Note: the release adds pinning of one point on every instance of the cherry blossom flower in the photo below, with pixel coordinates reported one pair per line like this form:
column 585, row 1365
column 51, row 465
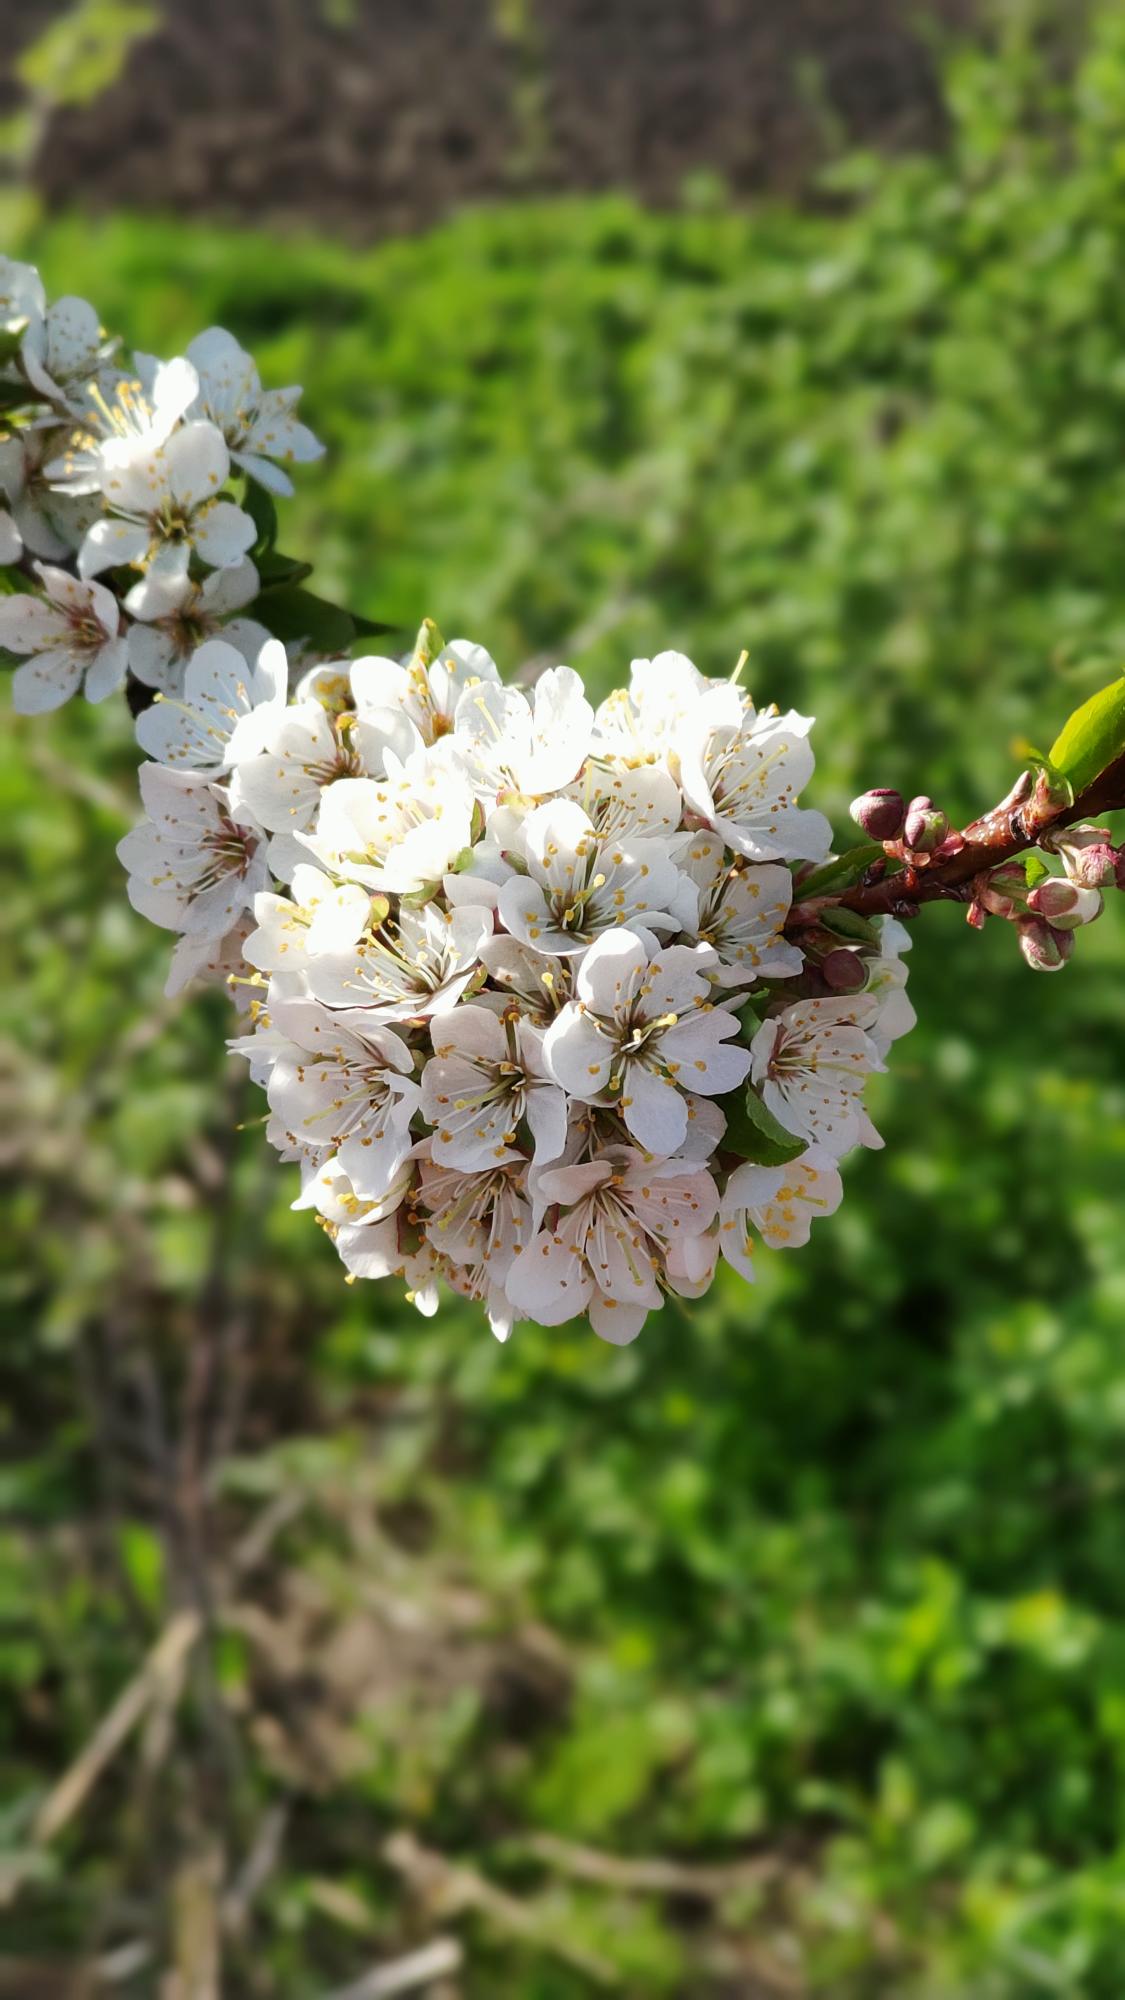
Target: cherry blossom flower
column 810, row 1063
column 175, row 615
column 578, row 886
column 529, row 748
column 399, row 833
column 741, row 913
column 225, row 710
column 641, row 1030
column 405, row 968
column 317, row 919
column 487, row 1091
column 343, row 1086
column 781, row 1203
column 614, row 1221
column 258, row 424
column 73, row 636
column 192, row 867
column 741, row 773
column 427, row 687
column 165, row 505
column 128, row 419
column 64, row 350
column 51, row 523
column 22, row 297
column 648, row 720
column 305, row 748
column 481, row 1220
column 541, row 983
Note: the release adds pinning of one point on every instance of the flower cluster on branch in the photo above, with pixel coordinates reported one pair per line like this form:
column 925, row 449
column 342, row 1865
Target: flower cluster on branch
column 556, row 1005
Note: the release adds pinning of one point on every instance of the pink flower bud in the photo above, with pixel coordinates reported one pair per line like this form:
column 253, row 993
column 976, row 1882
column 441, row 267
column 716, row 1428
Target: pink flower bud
column 1087, row 854
column 843, row 970
column 879, row 812
column 1045, row 949
column 1004, row 892
column 926, row 826
column 1064, row 904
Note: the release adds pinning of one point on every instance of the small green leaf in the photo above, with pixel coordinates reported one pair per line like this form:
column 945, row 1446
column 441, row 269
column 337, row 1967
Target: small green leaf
column 371, row 628
column 262, row 511
column 754, row 1133
column 418, row 898
column 1092, row 737
column 276, row 570
column 839, row 873
column 749, row 1021
column 293, row 613
column 849, row 924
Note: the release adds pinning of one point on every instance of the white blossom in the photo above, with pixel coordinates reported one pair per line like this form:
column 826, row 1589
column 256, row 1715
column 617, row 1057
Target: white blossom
column 343, row 1086
column 741, row 773
column 165, row 504
column 192, row 866
column 174, row 615
column 128, row 419
column 405, row 968
column 427, row 687
column 22, row 297
column 741, row 912
column 73, row 636
column 781, row 1203
column 258, row 424
column 11, row 541
column 51, row 523
column 602, row 1249
column 487, row 1091
column 810, row 1063
column 640, row 1032
column 64, row 350
column 528, row 748
column 224, row 712
column 399, row 833
column 317, row 920
column 578, row 886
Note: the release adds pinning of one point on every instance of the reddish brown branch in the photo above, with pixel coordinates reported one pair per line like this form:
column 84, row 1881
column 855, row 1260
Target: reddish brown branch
column 1018, row 823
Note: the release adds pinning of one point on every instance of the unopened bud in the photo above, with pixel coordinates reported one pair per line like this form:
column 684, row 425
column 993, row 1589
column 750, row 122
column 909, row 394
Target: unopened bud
column 1064, row 904
column 879, row 812
column 843, row 970
column 926, row 826
column 1045, row 949
column 1003, row 892
column 1087, row 854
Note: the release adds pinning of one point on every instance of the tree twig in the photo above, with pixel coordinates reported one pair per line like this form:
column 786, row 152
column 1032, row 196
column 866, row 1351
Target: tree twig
column 404, row 1975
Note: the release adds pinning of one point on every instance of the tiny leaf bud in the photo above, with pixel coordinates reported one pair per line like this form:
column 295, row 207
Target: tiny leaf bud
column 926, row 826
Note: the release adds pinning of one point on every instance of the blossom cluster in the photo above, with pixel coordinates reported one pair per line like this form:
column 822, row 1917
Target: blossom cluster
column 523, row 978
column 525, row 1010
column 121, row 539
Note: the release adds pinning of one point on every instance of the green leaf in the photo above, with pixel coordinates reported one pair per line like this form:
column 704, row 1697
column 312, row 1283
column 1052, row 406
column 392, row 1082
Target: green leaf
column 839, row 873
column 370, row 628
column 263, row 512
column 293, row 613
column 754, row 1133
column 1092, row 737
column 276, row 570
column 849, row 924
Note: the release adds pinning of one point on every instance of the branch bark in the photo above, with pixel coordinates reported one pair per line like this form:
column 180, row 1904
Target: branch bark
column 1008, row 829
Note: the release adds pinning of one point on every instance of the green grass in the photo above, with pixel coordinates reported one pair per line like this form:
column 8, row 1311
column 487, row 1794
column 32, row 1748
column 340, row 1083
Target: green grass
column 836, row 1563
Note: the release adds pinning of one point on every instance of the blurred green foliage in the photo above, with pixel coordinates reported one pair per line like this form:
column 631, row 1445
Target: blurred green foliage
column 838, row 1562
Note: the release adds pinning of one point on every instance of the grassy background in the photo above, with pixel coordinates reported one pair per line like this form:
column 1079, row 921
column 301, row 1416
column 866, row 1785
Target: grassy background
column 828, row 1573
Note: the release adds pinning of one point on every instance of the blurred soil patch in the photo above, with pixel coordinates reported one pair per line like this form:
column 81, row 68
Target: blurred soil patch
column 375, row 117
